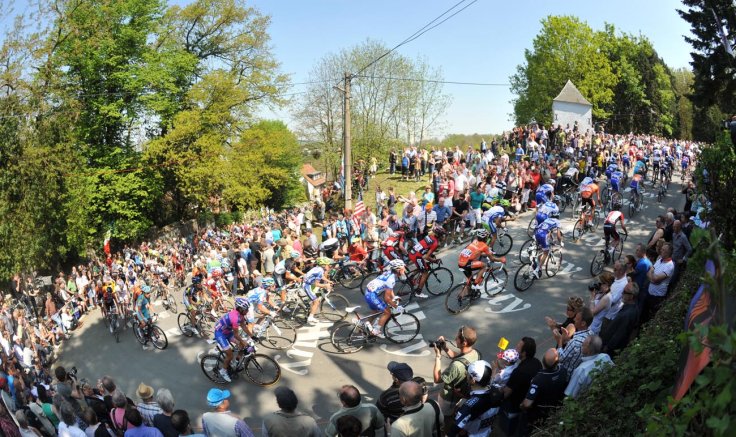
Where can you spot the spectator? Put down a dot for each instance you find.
(454, 377)
(66, 386)
(287, 421)
(370, 418)
(389, 402)
(681, 250)
(659, 276)
(348, 426)
(518, 384)
(68, 425)
(162, 420)
(475, 416)
(148, 406)
(571, 355)
(418, 419)
(23, 427)
(221, 422)
(622, 328)
(139, 429)
(117, 413)
(574, 305)
(592, 359)
(600, 300)
(180, 421)
(545, 393)
(642, 268)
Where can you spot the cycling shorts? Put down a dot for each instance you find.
(473, 267)
(491, 225)
(375, 302)
(609, 230)
(418, 261)
(614, 184)
(391, 253)
(310, 292)
(541, 237)
(684, 165)
(187, 302)
(223, 339)
(588, 201)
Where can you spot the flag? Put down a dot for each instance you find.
(106, 244)
(359, 209)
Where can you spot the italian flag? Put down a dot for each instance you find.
(106, 244)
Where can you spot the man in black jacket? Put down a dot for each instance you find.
(617, 334)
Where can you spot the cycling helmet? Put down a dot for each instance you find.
(109, 289)
(196, 280)
(217, 273)
(267, 282)
(482, 234)
(396, 264)
(505, 203)
(587, 181)
(323, 261)
(242, 303)
(295, 254)
(617, 204)
(552, 182)
(146, 289)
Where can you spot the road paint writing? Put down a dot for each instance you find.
(297, 359)
(516, 304)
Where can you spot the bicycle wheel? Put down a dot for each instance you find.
(458, 299)
(575, 206)
(366, 279)
(351, 276)
(403, 290)
(262, 370)
(618, 250)
(554, 262)
(503, 244)
(616, 197)
(280, 335)
(348, 338)
(185, 327)
(158, 338)
(401, 328)
(333, 307)
(596, 219)
(632, 206)
(598, 263)
(660, 195)
(562, 205)
(211, 365)
(227, 306)
(170, 304)
(115, 327)
(578, 230)
(496, 281)
(524, 278)
(137, 332)
(439, 281)
(532, 226)
(527, 252)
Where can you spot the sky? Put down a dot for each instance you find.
(484, 43)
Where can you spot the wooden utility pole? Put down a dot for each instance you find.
(347, 152)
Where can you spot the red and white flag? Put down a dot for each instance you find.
(359, 209)
(106, 244)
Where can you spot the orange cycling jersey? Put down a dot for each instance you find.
(473, 252)
(587, 190)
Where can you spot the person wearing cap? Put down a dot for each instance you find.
(287, 421)
(389, 403)
(143, 311)
(546, 392)
(220, 422)
(147, 406)
(370, 418)
(505, 364)
(418, 419)
(475, 415)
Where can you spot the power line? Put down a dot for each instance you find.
(448, 82)
(424, 29)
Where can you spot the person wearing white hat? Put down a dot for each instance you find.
(474, 417)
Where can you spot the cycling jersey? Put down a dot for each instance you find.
(491, 215)
(616, 177)
(656, 156)
(229, 322)
(257, 296)
(611, 168)
(141, 305)
(609, 226)
(685, 162)
(587, 191)
(542, 193)
(424, 246)
(313, 275)
(543, 230)
(613, 217)
(640, 167)
(472, 253)
(390, 247)
(545, 210)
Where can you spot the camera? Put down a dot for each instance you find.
(72, 372)
(439, 344)
(594, 286)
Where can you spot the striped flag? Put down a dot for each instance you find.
(359, 209)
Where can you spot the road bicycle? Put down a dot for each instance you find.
(332, 308)
(161, 292)
(525, 276)
(635, 200)
(113, 323)
(439, 281)
(612, 198)
(348, 273)
(350, 337)
(151, 332)
(662, 191)
(588, 222)
(494, 281)
(604, 256)
(532, 227)
(275, 333)
(261, 369)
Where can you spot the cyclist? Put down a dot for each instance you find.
(545, 192)
(228, 328)
(545, 209)
(626, 160)
(143, 310)
(258, 297)
(541, 234)
(109, 300)
(684, 163)
(316, 277)
(615, 178)
(191, 296)
(640, 167)
(476, 257)
(494, 216)
(422, 252)
(609, 226)
(635, 181)
(384, 283)
(656, 158)
(393, 247)
(665, 168)
(587, 192)
(287, 271)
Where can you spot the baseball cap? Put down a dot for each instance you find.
(401, 371)
(216, 396)
(509, 355)
(478, 369)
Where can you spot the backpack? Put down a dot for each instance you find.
(119, 432)
(461, 390)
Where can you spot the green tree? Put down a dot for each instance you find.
(683, 84)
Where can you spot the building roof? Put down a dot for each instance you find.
(570, 94)
(313, 176)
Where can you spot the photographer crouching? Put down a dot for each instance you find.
(454, 377)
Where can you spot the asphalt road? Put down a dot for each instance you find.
(313, 369)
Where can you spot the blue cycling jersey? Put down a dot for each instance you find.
(548, 225)
(313, 275)
(384, 281)
(257, 295)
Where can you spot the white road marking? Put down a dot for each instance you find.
(516, 304)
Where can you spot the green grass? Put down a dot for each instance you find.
(401, 188)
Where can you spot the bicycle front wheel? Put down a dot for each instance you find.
(503, 245)
(526, 253)
(262, 370)
(351, 276)
(137, 332)
(458, 299)
(185, 327)
(211, 365)
(404, 290)
(578, 230)
(532, 226)
(598, 263)
(401, 328)
(170, 304)
(348, 338)
(158, 338)
(632, 206)
(554, 262)
(333, 307)
(596, 219)
(280, 335)
(496, 281)
(439, 281)
(524, 277)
